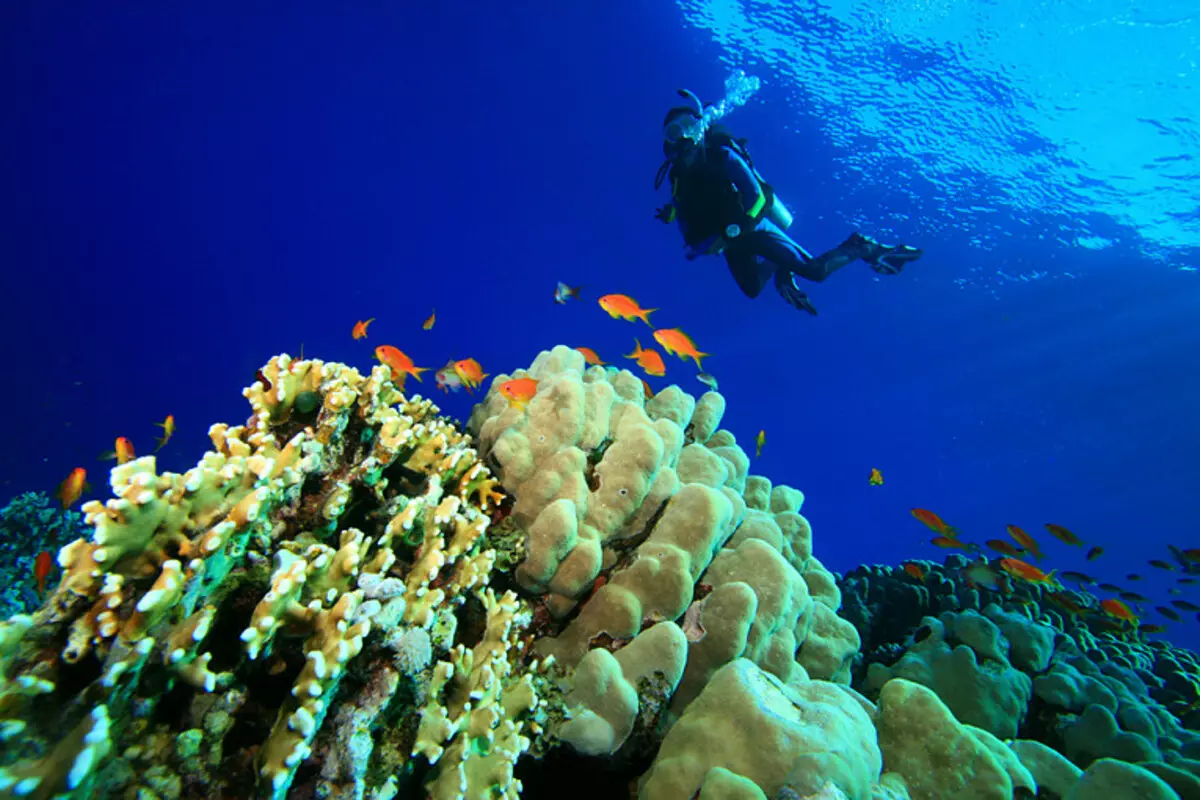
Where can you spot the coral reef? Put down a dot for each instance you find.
(30, 523)
(352, 597)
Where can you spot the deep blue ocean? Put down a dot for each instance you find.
(189, 190)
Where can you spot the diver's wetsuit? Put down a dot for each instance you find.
(755, 256)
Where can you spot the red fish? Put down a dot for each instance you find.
(519, 391)
(1025, 540)
(934, 522)
(122, 451)
(1115, 608)
(1064, 535)
(625, 307)
(678, 343)
(70, 490)
(402, 366)
(1028, 572)
(1094, 553)
(915, 571)
(360, 328)
(589, 355)
(951, 543)
(428, 323)
(471, 374)
(1001, 546)
(41, 568)
(876, 478)
(647, 392)
(649, 360)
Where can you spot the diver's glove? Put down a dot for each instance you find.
(666, 214)
(785, 284)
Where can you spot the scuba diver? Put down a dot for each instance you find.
(724, 206)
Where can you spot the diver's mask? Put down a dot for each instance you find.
(681, 131)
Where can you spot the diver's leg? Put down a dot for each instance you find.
(785, 259)
(885, 259)
(750, 272)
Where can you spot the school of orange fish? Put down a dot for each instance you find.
(996, 574)
(1122, 611)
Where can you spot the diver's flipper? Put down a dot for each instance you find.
(890, 259)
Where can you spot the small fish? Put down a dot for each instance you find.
(1152, 628)
(519, 391)
(1063, 535)
(589, 355)
(708, 380)
(1160, 564)
(1184, 605)
(71, 489)
(427, 325)
(1109, 587)
(563, 293)
(1117, 609)
(447, 378)
(1185, 580)
(759, 441)
(951, 543)
(647, 392)
(678, 343)
(1005, 548)
(1133, 597)
(360, 328)
(625, 307)
(122, 451)
(41, 568)
(1094, 553)
(915, 570)
(1175, 590)
(1192, 555)
(1024, 571)
(1025, 540)
(1133, 576)
(934, 522)
(876, 477)
(168, 426)
(1066, 602)
(980, 573)
(470, 373)
(401, 365)
(1020, 600)
(649, 360)
(1169, 613)
(1078, 577)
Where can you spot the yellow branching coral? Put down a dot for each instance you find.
(472, 727)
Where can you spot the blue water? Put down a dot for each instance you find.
(187, 192)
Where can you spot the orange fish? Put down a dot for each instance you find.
(678, 343)
(625, 307)
(1023, 571)
(589, 355)
(915, 571)
(1115, 608)
(432, 318)
(951, 543)
(934, 522)
(1025, 540)
(1094, 553)
(519, 391)
(41, 568)
(70, 490)
(759, 441)
(648, 360)
(360, 328)
(876, 478)
(1063, 535)
(470, 373)
(647, 392)
(1001, 546)
(122, 451)
(168, 426)
(401, 364)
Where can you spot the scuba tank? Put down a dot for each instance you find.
(777, 212)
